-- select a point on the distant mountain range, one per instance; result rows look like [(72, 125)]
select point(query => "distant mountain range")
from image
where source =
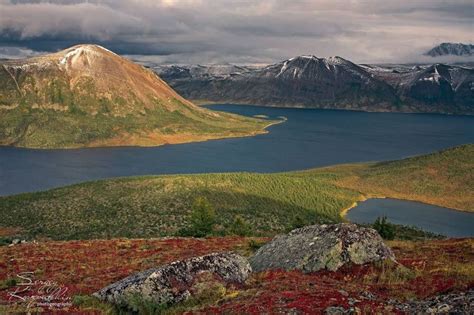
[(87, 95), (333, 83), (451, 49)]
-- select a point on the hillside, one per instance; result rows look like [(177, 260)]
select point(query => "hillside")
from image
[(444, 178), (153, 206), (433, 88), (333, 83), (89, 96)]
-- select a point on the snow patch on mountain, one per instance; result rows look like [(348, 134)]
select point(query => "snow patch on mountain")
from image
[(75, 53)]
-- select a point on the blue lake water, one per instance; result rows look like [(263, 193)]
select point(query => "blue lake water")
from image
[(427, 217), (309, 138)]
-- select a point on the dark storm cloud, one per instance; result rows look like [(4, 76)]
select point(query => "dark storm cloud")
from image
[(238, 30)]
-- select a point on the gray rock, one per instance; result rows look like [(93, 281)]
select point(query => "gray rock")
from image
[(451, 303), (318, 247), (336, 310), (171, 283)]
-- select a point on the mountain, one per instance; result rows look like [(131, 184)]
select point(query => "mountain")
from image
[(304, 81), (434, 88), (89, 96), (451, 49), (336, 83), (202, 71)]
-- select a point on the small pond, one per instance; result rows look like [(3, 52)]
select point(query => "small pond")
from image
[(448, 222)]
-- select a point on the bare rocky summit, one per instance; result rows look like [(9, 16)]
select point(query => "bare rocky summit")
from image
[(318, 247), (173, 283)]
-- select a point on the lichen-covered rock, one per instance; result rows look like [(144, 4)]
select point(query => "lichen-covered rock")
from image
[(317, 247), (173, 283), (450, 303)]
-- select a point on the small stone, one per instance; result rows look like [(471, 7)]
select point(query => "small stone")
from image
[(368, 296), (335, 310), (343, 292), (352, 301), (444, 308)]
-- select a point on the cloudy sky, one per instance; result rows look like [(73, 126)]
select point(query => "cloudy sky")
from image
[(237, 31)]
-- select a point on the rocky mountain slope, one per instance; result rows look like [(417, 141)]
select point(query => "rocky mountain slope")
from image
[(451, 49), (309, 81), (89, 96), (433, 88)]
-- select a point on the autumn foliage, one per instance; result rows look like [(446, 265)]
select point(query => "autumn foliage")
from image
[(426, 268)]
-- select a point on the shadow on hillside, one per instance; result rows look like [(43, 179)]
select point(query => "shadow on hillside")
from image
[(124, 218)]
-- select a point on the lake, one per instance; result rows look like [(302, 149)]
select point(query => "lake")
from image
[(427, 217), (309, 138)]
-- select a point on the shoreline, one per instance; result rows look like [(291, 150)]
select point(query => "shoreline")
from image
[(203, 103), (343, 213)]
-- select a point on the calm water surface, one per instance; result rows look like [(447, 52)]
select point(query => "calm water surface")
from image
[(427, 217), (310, 138)]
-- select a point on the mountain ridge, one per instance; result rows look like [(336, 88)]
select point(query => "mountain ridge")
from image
[(451, 49), (332, 83)]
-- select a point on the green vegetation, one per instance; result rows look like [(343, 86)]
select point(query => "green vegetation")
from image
[(240, 227), (7, 283), (137, 304), (155, 206), (411, 233), (384, 228), (390, 273), (244, 203), (89, 303), (390, 231), (201, 220), (49, 128)]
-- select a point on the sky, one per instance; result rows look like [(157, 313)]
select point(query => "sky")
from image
[(237, 31)]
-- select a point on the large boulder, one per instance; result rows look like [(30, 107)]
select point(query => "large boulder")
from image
[(317, 247), (173, 283)]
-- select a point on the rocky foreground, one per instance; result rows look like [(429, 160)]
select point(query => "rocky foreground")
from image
[(434, 275)]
